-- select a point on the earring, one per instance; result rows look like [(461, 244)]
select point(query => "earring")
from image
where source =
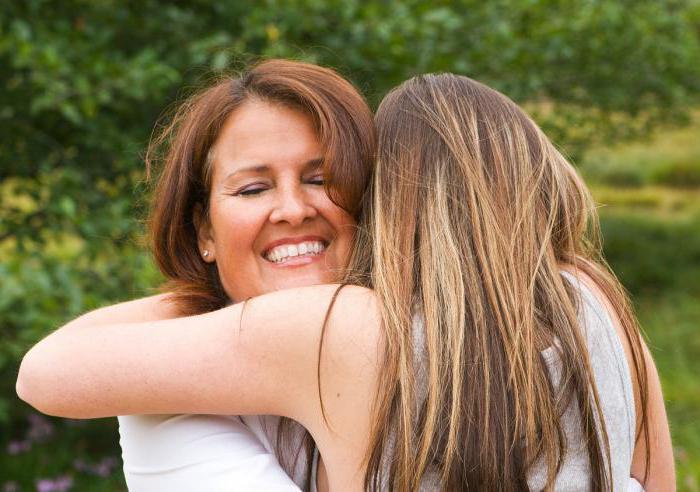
[(205, 253)]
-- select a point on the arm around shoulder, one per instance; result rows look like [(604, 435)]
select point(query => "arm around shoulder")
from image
[(253, 358)]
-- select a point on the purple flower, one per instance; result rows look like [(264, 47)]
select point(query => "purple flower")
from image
[(59, 484), (80, 465), (39, 427), (44, 485), (19, 447), (103, 468)]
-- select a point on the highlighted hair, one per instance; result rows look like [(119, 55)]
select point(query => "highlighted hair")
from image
[(474, 215)]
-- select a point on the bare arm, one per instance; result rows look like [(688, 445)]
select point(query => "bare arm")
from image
[(211, 363), (206, 452)]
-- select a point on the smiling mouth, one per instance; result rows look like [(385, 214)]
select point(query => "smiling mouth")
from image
[(286, 252)]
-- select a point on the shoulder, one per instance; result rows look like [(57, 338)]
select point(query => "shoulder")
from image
[(608, 342), (333, 330), (328, 351), (595, 308)]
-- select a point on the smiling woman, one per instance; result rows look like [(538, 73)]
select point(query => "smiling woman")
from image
[(262, 180), (279, 156), (260, 186)]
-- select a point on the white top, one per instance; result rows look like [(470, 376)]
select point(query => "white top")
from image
[(210, 453)]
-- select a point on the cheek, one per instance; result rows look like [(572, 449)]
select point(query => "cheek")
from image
[(235, 230), (235, 257), (345, 227)]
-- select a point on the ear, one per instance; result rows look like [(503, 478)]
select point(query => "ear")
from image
[(205, 238)]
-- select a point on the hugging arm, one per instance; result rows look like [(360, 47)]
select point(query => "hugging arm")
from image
[(184, 451), (213, 363), (152, 308)]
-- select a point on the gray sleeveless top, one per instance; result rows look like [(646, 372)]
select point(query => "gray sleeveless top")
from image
[(613, 382)]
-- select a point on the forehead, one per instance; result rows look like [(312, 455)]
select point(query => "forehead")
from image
[(260, 133)]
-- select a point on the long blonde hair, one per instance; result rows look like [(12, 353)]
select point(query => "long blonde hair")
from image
[(474, 214)]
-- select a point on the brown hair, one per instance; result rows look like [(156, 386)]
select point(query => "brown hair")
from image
[(345, 129), (474, 215)]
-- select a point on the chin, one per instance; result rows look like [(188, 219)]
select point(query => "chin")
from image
[(302, 280)]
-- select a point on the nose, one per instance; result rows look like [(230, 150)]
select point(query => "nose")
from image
[(292, 206)]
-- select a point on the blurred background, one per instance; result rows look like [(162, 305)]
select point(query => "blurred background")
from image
[(616, 84)]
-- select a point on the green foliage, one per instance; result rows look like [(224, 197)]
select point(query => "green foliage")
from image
[(43, 450), (673, 161), (671, 323), (653, 244), (87, 80), (683, 174), (83, 83), (653, 255)]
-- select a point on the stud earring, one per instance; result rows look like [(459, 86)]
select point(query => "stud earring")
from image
[(205, 253)]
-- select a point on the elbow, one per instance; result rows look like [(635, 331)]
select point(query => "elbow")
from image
[(27, 386), (33, 385), (22, 386)]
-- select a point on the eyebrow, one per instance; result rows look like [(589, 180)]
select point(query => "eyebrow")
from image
[(263, 168)]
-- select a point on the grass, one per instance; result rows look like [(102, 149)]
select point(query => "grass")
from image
[(656, 254)]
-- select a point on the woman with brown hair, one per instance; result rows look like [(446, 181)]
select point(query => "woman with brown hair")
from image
[(253, 166), (487, 348)]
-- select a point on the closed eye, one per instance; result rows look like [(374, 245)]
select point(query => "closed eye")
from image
[(250, 190), (316, 180)]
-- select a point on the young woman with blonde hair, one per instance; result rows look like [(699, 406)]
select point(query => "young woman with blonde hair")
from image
[(487, 347)]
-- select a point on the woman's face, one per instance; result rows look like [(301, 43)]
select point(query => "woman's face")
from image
[(271, 224)]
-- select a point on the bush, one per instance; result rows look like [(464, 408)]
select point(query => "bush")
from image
[(653, 255), (622, 177), (84, 82), (683, 174)]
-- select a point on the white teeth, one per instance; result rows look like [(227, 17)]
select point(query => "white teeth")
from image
[(281, 253)]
